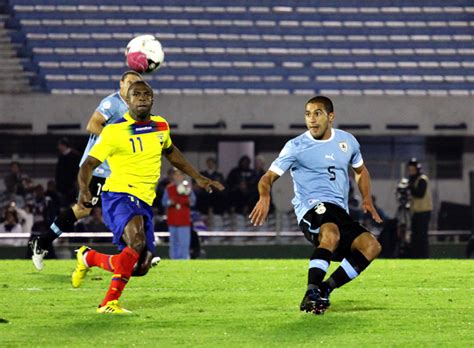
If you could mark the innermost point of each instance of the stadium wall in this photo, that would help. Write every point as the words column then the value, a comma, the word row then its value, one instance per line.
column 409, row 115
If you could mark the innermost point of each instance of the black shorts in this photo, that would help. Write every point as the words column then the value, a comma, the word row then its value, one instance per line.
column 95, row 187
column 322, row 213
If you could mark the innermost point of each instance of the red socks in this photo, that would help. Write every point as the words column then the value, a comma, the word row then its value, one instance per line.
column 122, row 267
column 94, row 258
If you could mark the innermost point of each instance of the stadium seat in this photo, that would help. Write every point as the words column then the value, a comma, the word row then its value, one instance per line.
column 426, row 46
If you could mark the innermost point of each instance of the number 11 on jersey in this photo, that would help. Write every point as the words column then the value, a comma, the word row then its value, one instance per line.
column 133, row 144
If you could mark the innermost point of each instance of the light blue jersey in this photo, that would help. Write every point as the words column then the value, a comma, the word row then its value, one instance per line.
column 319, row 168
column 112, row 107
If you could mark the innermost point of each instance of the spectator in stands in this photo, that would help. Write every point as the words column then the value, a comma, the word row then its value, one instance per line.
column 178, row 199
column 95, row 222
column 9, row 195
column 160, row 190
column 16, row 220
column 67, row 168
column 14, row 179
column 215, row 203
column 241, row 199
column 43, row 208
column 242, row 172
column 421, row 205
column 53, row 194
column 11, row 223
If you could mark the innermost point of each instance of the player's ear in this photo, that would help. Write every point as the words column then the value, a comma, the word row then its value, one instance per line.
column 332, row 116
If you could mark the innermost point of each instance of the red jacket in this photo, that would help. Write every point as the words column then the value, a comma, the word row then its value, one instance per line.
column 179, row 213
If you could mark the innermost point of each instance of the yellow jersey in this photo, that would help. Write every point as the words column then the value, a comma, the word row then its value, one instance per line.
column 133, row 150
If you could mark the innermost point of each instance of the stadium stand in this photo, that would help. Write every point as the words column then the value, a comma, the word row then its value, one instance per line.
column 277, row 47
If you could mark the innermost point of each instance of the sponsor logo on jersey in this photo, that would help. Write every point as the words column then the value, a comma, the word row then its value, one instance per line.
column 331, row 156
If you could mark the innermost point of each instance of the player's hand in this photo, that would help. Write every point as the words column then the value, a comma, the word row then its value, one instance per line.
column 260, row 211
column 368, row 207
column 208, row 184
column 85, row 199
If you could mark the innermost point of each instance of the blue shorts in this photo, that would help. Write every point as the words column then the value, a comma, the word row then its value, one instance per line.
column 119, row 208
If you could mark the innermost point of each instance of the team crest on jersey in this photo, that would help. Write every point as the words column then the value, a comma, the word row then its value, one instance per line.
column 320, row 209
column 107, row 104
column 343, row 146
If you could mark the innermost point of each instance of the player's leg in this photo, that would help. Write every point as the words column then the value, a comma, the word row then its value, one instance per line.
column 318, row 265
column 62, row 223
column 364, row 249
column 134, row 237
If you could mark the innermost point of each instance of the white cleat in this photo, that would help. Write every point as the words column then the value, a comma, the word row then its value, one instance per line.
column 38, row 254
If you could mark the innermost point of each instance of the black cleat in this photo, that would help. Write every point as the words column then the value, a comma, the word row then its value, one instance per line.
column 314, row 302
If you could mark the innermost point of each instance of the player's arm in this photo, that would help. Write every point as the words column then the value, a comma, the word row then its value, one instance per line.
column 260, row 211
column 84, row 178
column 365, row 187
column 96, row 123
column 177, row 159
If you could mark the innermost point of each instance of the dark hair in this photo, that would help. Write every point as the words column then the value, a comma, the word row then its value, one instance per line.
column 414, row 162
column 130, row 72
column 328, row 105
column 141, row 82
column 64, row 141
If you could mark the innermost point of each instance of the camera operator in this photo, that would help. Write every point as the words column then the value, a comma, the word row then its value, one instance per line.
column 421, row 205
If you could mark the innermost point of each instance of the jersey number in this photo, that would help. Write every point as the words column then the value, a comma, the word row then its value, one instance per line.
column 133, row 144
column 332, row 172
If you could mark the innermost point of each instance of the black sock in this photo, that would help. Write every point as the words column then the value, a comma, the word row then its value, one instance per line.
column 350, row 268
column 63, row 222
column 318, row 266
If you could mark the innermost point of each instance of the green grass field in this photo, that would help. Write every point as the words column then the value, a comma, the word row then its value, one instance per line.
column 234, row 303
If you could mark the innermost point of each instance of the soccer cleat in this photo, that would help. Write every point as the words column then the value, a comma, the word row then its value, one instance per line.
column 81, row 269
column 315, row 302
column 155, row 261
column 113, row 307
column 38, row 254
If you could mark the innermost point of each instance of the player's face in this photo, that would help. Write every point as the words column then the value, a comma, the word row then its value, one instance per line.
column 140, row 101
column 318, row 121
column 127, row 81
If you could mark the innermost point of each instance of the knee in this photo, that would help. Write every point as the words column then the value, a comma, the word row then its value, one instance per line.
column 138, row 244
column 329, row 238
column 373, row 248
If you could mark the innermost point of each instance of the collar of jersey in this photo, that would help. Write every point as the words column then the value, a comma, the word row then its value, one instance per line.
column 308, row 134
column 131, row 119
column 120, row 96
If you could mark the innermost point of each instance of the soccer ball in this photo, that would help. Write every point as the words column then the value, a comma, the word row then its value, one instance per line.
column 144, row 54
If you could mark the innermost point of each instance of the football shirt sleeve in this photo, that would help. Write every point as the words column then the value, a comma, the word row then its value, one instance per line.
column 104, row 145
column 356, row 159
column 284, row 160
column 167, row 143
column 106, row 108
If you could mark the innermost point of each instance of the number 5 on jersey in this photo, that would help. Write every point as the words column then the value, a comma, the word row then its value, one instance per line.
column 332, row 172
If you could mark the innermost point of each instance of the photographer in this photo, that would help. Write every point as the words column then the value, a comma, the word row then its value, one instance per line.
column 421, row 205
